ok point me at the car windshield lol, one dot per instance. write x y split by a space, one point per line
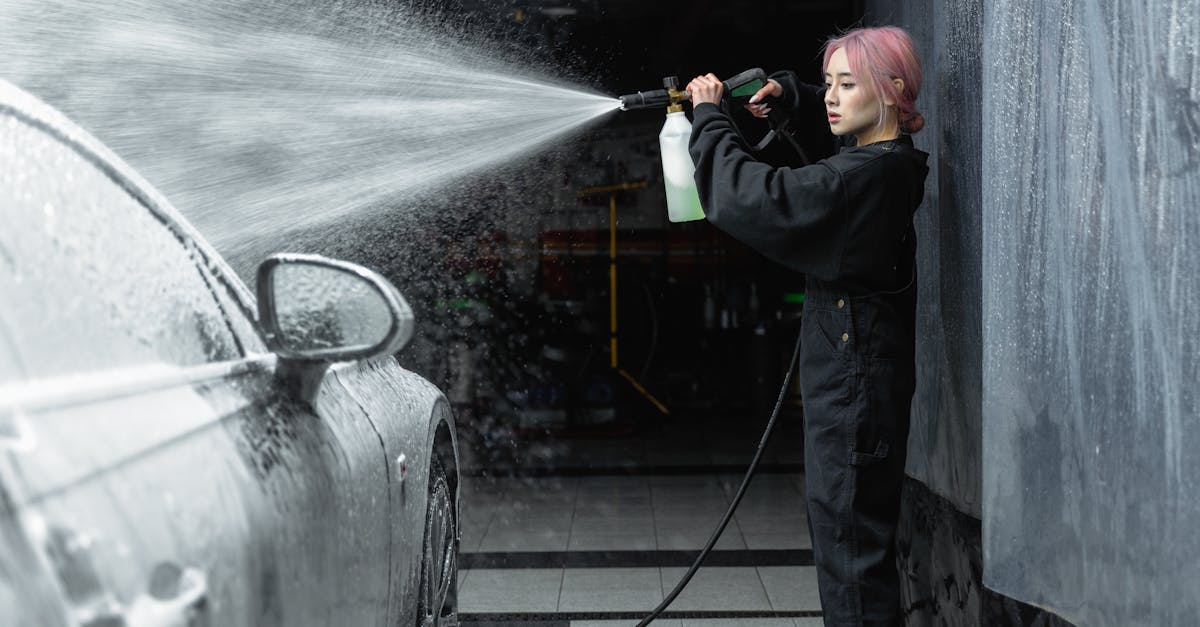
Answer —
91 278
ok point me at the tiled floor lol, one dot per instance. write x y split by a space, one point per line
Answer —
597 531
538 522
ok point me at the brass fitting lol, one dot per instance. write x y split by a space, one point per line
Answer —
673 92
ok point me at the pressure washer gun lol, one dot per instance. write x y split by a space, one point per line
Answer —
683 200
737 91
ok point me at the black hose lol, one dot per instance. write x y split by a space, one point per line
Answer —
712 541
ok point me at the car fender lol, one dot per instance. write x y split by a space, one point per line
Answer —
406 411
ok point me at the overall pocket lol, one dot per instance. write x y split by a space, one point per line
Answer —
825 329
826 369
887 387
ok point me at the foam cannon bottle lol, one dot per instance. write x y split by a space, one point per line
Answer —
683 201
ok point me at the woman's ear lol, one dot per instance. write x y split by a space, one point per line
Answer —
899 83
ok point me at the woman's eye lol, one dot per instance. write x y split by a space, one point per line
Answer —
828 85
847 85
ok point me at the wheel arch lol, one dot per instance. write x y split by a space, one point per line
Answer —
445 447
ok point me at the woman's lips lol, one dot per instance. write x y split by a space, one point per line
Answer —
833 117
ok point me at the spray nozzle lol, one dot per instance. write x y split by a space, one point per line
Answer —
645 100
671 97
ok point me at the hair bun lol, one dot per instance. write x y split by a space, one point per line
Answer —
912 122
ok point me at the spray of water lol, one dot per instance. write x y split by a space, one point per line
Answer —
256 116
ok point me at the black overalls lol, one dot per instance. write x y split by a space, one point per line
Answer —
846 223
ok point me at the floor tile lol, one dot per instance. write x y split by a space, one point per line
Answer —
706 490
681 534
784 494
738 622
623 623
540 498
777 541
790 455
695 539
772 507
524 539
622 525
762 484
760 481
740 458
622 507
479 519
534 515
682 480
610 589
616 486
627 496
695 509
716 588
476 516
698 484
678 458
657 622
612 542
471 537
541 517
641 513
791 588
480 487
543 488
521 590
675 493
760 523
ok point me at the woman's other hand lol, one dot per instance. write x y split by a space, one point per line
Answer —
706 88
756 106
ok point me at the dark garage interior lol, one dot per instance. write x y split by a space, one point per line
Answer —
611 372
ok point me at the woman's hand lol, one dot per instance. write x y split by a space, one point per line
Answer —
756 106
705 88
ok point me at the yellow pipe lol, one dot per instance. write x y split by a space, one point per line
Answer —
608 189
612 287
612 228
612 281
638 386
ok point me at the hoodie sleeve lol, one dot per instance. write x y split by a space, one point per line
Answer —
804 105
796 95
796 216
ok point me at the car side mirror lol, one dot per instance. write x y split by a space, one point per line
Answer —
315 309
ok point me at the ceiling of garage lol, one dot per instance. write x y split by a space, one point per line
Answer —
627 45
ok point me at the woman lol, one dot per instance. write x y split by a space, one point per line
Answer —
846 223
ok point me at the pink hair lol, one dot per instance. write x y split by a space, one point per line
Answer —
884 53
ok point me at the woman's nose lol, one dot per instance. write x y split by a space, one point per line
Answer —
830 98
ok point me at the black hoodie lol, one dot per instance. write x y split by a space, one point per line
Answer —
845 220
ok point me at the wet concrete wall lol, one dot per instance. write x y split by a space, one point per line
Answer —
941 555
939 546
944 444
1059 320
1091 283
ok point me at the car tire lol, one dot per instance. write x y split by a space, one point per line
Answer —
438 586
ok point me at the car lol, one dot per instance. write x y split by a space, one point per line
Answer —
177 450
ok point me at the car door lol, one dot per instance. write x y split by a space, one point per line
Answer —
155 473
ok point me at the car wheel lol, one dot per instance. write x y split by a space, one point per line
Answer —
438 591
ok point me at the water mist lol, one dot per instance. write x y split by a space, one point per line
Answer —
260 116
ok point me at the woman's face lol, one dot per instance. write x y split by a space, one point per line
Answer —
850 105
